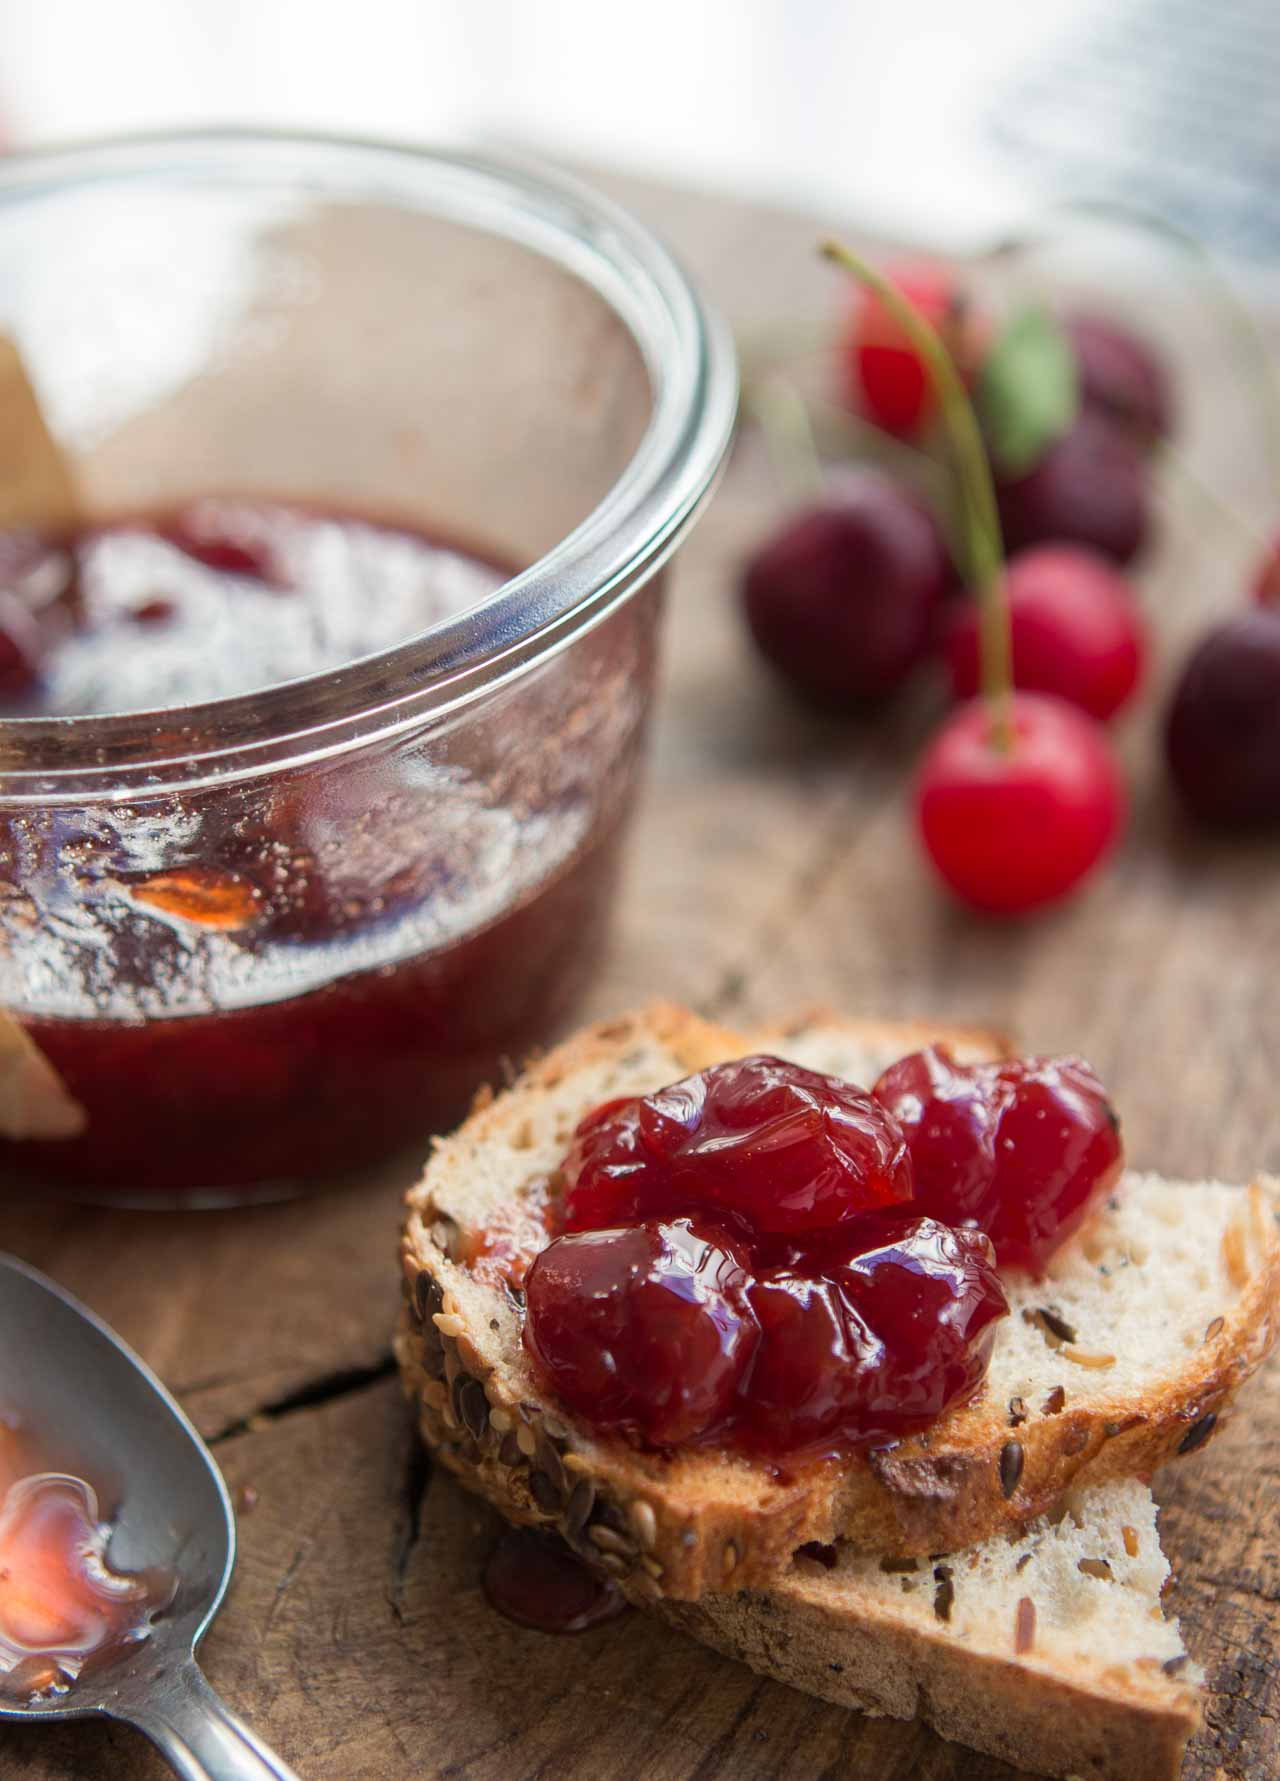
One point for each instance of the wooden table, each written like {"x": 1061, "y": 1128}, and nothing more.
{"x": 772, "y": 863}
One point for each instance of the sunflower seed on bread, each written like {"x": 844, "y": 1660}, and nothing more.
{"x": 1115, "y": 1340}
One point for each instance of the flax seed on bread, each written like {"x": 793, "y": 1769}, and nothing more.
{"x": 1087, "y": 1383}
{"x": 1049, "y": 1649}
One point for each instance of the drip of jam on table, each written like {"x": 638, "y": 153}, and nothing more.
{"x": 533, "y": 1578}
{"x": 64, "y": 1610}
{"x": 286, "y": 979}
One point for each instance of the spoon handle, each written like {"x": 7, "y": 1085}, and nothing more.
{"x": 200, "y": 1737}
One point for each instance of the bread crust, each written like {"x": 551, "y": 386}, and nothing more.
{"x": 685, "y": 1525}
{"x": 1085, "y": 1719}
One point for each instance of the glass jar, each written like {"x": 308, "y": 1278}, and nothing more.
{"x": 424, "y": 842}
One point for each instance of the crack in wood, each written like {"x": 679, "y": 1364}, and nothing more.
{"x": 326, "y": 1388}
{"x": 713, "y": 1763}
{"x": 417, "y": 1476}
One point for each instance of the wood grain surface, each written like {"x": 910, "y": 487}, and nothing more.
{"x": 772, "y": 863}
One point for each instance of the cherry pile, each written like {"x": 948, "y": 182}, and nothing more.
{"x": 767, "y": 1256}
{"x": 1048, "y": 428}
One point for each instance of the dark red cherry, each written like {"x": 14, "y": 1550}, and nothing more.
{"x": 1022, "y": 1148}
{"x": 882, "y": 1342}
{"x": 843, "y": 600}
{"x": 1121, "y": 376}
{"x": 646, "y": 1329}
{"x": 1076, "y": 631}
{"x": 1091, "y": 487}
{"x": 777, "y": 1147}
{"x": 1011, "y": 829}
{"x": 1222, "y": 737}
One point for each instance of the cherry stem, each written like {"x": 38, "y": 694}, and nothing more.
{"x": 980, "y": 514}
{"x": 783, "y": 417}
{"x": 836, "y": 425}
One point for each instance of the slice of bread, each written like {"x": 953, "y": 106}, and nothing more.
{"x": 1049, "y": 1649}
{"x": 1127, "y": 1354}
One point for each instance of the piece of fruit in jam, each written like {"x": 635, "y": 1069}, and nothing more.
{"x": 1022, "y": 1149}
{"x": 645, "y": 1329}
{"x": 879, "y": 1343}
{"x": 776, "y": 1147}
{"x": 62, "y": 1606}
{"x": 207, "y": 896}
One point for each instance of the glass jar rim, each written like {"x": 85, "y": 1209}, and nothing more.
{"x": 688, "y": 356}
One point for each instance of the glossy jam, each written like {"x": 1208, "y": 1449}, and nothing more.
{"x": 212, "y": 600}
{"x": 823, "y": 1318}
{"x": 645, "y": 1328}
{"x": 63, "y": 1609}
{"x": 781, "y": 1148}
{"x": 311, "y": 1085}
{"x": 671, "y": 1333}
{"x": 878, "y": 1342}
{"x": 254, "y": 988}
{"x": 534, "y": 1579}
{"x": 1022, "y": 1149}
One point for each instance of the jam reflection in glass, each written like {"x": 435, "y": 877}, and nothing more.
{"x": 250, "y": 984}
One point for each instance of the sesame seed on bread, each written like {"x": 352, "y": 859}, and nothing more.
{"x": 1126, "y": 1355}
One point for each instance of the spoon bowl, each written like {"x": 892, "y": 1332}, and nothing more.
{"x": 99, "y": 1413}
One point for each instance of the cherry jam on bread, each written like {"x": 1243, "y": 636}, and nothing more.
{"x": 770, "y": 1258}
{"x": 1021, "y": 1149}
{"x": 783, "y": 1148}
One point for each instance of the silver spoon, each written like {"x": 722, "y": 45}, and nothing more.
{"x": 104, "y": 1416}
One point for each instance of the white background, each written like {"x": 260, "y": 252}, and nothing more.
{"x": 866, "y": 108}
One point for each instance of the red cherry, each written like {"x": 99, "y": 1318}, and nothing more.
{"x": 647, "y": 1329}
{"x": 884, "y": 375}
{"x": 1076, "y": 631}
{"x": 1091, "y": 487}
{"x": 1121, "y": 376}
{"x": 1011, "y": 829}
{"x": 779, "y": 1148}
{"x": 843, "y": 600}
{"x": 1222, "y": 737}
{"x": 882, "y": 1342}
{"x": 1023, "y": 1148}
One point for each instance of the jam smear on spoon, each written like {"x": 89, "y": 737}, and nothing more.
{"x": 64, "y": 1609}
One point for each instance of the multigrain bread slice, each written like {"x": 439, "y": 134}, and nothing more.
{"x": 1049, "y": 1649}
{"x": 1125, "y": 1356}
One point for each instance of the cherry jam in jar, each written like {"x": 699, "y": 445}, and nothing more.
{"x": 322, "y": 709}
{"x": 283, "y": 983}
